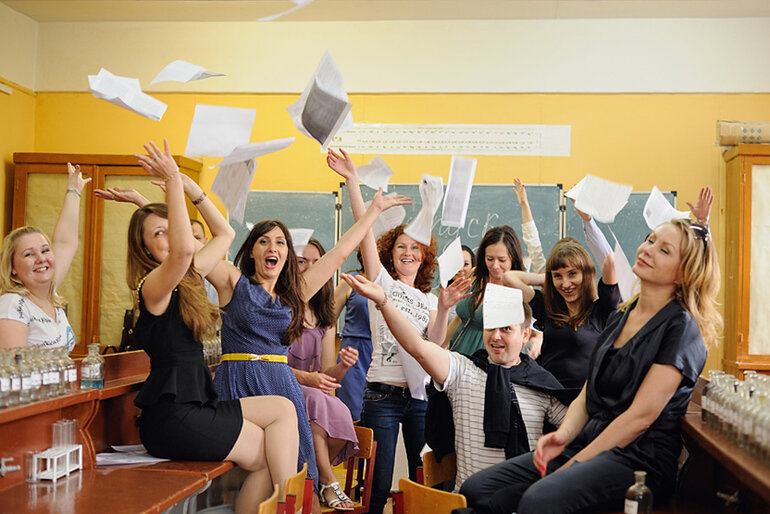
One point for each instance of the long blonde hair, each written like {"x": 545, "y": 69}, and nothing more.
{"x": 10, "y": 283}
{"x": 199, "y": 314}
{"x": 698, "y": 280}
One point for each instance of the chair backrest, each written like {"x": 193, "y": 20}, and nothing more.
{"x": 413, "y": 498}
{"x": 361, "y": 465}
{"x": 434, "y": 472}
{"x": 270, "y": 506}
{"x": 295, "y": 486}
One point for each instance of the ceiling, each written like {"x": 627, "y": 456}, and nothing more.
{"x": 380, "y": 10}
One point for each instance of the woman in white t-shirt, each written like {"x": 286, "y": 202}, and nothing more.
{"x": 395, "y": 388}
{"x": 30, "y": 310}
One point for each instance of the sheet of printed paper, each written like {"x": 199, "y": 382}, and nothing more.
{"x": 326, "y": 96}
{"x": 628, "y": 283}
{"x": 125, "y": 92}
{"x": 502, "y": 306}
{"x": 431, "y": 192}
{"x": 602, "y": 199}
{"x": 458, "y": 191}
{"x": 183, "y": 71}
{"x": 298, "y": 5}
{"x": 231, "y": 185}
{"x": 450, "y": 262}
{"x": 215, "y": 130}
{"x": 300, "y": 238}
{"x": 657, "y": 210}
{"x": 574, "y": 192}
{"x": 375, "y": 174}
{"x": 253, "y": 150}
{"x": 387, "y": 220}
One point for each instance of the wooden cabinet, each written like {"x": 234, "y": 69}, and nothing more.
{"x": 746, "y": 273}
{"x": 95, "y": 287}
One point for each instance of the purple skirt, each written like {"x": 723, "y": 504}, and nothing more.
{"x": 328, "y": 412}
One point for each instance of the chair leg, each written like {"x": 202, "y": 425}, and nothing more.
{"x": 420, "y": 476}
{"x": 307, "y": 498}
{"x": 398, "y": 502}
{"x": 290, "y": 507}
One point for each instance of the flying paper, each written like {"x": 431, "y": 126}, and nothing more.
{"x": 458, "y": 192}
{"x": 183, "y": 71}
{"x": 431, "y": 192}
{"x": 601, "y": 198}
{"x": 125, "y": 92}
{"x": 450, "y": 262}
{"x": 300, "y": 238}
{"x": 628, "y": 284}
{"x": 216, "y": 130}
{"x": 388, "y": 219}
{"x": 376, "y": 174}
{"x": 299, "y": 4}
{"x": 503, "y": 306}
{"x": 657, "y": 210}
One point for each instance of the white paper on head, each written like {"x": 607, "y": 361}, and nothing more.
{"x": 575, "y": 191}
{"x": 628, "y": 284}
{"x": 215, "y": 131}
{"x": 298, "y": 5}
{"x": 431, "y": 192}
{"x": 388, "y": 219}
{"x": 450, "y": 262}
{"x": 253, "y": 150}
{"x": 503, "y": 306}
{"x": 602, "y": 199}
{"x": 376, "y": 174}
{"x": 458, "y": 191}
{"x": 232, "y": 184}
{"x": 323, "y": 109}
{"x": 657, "y": 210}
{"x": 125, "y": 92}
{"x": 300, "y": 238}
{"x": 183, "y": 71}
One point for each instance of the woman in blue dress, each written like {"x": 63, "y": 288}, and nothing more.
{"x": 263, "y": 297}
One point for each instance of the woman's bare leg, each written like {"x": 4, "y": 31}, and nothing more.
{"x": 326, "y": 449}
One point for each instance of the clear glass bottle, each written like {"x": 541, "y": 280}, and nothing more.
{"x": 707, "y": 409}
{"x": 54, "y": 373}
{"x": 92, "y": 369}
{"x": 638, "y": 496}
{"x": 14, "y": 375}
{"x": 70, "y": 372}
{"x": 25, "y": 375}
{"x": 32, "y": 356}
{"x": 5, "y": 381}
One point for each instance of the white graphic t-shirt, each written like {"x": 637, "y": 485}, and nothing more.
{"x": 43, "y": 330}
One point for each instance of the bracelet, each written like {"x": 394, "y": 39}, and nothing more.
{"x": 199, "y": 199}
{"x": 72, "y": 190}
{"x": 379, "y": 306}
{"x": 702, "y": 221}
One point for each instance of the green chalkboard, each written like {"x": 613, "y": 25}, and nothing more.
{"x": 296, "y": 209}
{"x": 629, "y": 226}
{"x": 490, "y": 205}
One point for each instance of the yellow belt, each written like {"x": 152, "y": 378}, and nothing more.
{"x": 254, "y": 357}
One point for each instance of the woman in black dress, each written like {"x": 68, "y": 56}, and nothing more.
{"x": 641, "y": 378}
{"x": 181, "y": 417}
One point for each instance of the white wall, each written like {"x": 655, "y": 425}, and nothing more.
{"x": 582, "y": 56}
{"x": 18, "y": 47}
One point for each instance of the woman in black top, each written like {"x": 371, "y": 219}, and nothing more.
{"x": 569, "y": 311}
{"x": 181, "y": 417}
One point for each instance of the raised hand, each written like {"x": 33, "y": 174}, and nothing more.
{"x": 121, "y": 195}
{"x": 365, "y": 287}
{"x": 454, "y": 292}
{"x": 75, "y": 179}
{"x": 702, "y": 208}
{"x": 323, "y": 382}
{"x": 348, "y": 356}
{"x": 342, "y": 164}
{"x": 159, "y": 164}
{"x": 548, "y": 446}
{"x": 384, "y": 203}
{"x": 520, "y": 190}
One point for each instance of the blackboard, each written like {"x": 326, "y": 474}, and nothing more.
{"x": 490, "y": 205}
{"x": 296, "y": 209}
{"x": 629, "y": 226}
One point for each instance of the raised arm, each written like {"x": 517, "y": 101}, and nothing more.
{"x": 318, "y": 274}
{"x": 701, "y": 211}
{"x": 438, "y": 327}
{"x": 161, "y": 281}
{"x": 433, "y": 359}
{"x": 65, "y": 233}
{"x": 121, "y": 195}
{"x": 595, "y": 241}
{"x": 344, "y": 166}
{"x": 524, "y": 280}
{"x": 341, "y": 295}
{"x": 528, "y": 229}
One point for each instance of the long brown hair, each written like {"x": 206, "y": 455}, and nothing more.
{"x": 289, "y": 284}
{"x": 568, "y": 252}
{"x": 322, "y": 303}
{"x": 502, "y": 234}
{"x": 10, "y": 283}
{"x": 698, "y": 280}
{"x": 198, "y": 313}
{"x": 424, "y": 278}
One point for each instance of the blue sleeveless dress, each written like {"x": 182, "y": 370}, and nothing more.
{"x": 254, "y": 323}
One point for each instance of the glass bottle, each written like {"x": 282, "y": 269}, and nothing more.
{"x": 92, "y": 369}
{"x": 709, "y": 390}
{"x": 5, "y": 382}
{"x": 25, "y": 375}
{"x": 32, "y": 356}
{"x": 70, "y": 382}
{"x": 638, "y": 496}
{"x": 15, "y": 376}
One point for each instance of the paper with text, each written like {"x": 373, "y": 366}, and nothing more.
{"x": 183, "y": 71}
{"x": 431, "y": 192}
{"x": 376, "y": 174}
{"x": 215, "y": 130}
{"x": 231, "y": 185}
{"x": 458, "y": 191}
{"x": 450, "y": 262}
{"x": 657, "y": 210}
{"x": 125, "y": 92}
{"x": 602, "y": 199}
{"x": 503, "y": 306}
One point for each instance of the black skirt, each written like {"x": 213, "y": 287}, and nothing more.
{"x": 190, "y": 431}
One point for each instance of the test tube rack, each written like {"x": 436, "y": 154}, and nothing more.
{"x": 57, "y": 462}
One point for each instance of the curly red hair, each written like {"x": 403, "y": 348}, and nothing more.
{"x": 424, "y": 278}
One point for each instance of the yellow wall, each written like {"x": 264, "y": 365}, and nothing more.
{"x": 639, "y": 139}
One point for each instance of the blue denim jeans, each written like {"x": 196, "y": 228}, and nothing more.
{"x": 382, "y": 412}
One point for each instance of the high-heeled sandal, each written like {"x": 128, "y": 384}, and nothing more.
{"x": 341, "y": 497}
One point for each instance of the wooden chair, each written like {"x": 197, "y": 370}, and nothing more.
{"x": 295, "y": 491}
{"x": 414, "y": 498}
{"x": 432, "y": 472}
{"x": 270, "y": 506}
{"x": 360, "y": 465}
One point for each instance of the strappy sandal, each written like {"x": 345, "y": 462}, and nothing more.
{"x": 341, "y": 497}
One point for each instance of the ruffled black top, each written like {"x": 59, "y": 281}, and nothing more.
{"x": 177, "y": 366}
